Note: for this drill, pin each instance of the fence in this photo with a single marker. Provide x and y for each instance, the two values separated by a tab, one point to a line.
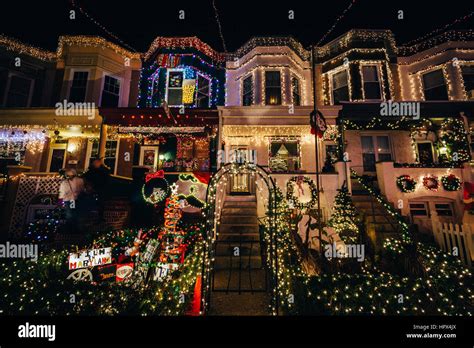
456	240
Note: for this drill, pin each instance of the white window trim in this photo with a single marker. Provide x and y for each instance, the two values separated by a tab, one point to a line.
102	85
89	154
330	78
379	76
7	89
167	80
50	155
71	77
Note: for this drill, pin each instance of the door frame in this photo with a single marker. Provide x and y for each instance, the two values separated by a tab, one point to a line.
50	155
156	148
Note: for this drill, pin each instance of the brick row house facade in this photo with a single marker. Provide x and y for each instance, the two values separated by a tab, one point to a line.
399	118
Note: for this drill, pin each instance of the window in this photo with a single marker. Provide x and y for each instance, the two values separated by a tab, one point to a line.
371	82
9	151
295	91
468	77
425	152
110	153
340	87
77	93
111	92
434	86
419	209
175	88
202	95
272	88
284	155
444	209
247	91
18	92
375	148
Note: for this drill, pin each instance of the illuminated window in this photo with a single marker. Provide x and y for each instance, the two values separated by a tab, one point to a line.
175	88
284	155
247	91
370	75
375	148
434	86
272	88
340	87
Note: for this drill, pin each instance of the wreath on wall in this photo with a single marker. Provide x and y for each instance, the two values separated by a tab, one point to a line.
406	183
431	182
290	194
156	188
451	182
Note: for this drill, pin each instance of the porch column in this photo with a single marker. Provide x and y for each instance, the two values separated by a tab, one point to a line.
102	141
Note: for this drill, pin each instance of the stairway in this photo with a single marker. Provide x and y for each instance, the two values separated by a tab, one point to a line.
239	280
380	224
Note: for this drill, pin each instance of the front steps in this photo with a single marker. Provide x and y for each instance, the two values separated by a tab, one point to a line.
239	280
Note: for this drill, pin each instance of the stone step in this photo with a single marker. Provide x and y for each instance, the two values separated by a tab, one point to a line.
237	262
244	249
237	237
255	279
237	229
239	219
239	211
240	204
241	198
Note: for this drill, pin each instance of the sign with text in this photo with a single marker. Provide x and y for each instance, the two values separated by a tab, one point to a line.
90	258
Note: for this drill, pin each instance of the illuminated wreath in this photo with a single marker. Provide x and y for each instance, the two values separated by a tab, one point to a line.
431	182
451	182
406	183
155	190
293	200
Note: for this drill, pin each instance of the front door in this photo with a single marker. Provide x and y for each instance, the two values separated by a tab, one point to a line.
240	182
149	157
57	158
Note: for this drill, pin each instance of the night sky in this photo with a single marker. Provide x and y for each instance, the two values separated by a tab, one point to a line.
138	22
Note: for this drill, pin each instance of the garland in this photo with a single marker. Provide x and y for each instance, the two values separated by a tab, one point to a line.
406	183
451	182
431	183
293	200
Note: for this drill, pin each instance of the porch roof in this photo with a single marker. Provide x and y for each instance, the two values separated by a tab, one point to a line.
157	117
365	111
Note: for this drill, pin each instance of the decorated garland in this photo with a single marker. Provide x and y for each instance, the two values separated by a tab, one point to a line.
431	182
299	181
451	182
406	183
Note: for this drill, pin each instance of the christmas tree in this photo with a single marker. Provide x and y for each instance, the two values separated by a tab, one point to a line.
345	218
171	238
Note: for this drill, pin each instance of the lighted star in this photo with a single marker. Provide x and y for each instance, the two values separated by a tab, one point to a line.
174	188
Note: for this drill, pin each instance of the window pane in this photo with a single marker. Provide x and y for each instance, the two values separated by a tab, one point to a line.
111	92
383	144
367	144
295	89
340	87
370	73
433	79
77	93
468	77
369	162
175	96
203	92
339	80
175	79
272	79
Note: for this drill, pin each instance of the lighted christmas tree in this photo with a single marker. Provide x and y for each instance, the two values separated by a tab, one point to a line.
171	238
345	218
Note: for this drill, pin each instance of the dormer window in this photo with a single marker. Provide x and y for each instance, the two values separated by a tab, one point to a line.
371	81
295	91
272	88
247	91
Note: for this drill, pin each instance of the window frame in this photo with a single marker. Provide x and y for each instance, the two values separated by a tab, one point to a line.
71	80
251	92
209	94
90	147
298	84
168	71
120	80
445	84
379	81
8	85
376	148
280	88
331	84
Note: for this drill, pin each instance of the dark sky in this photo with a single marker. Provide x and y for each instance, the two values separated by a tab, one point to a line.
138	22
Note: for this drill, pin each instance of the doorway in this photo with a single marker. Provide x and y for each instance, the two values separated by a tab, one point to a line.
149	157
57	157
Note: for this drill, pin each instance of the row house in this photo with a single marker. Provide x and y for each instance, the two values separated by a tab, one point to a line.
398	118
